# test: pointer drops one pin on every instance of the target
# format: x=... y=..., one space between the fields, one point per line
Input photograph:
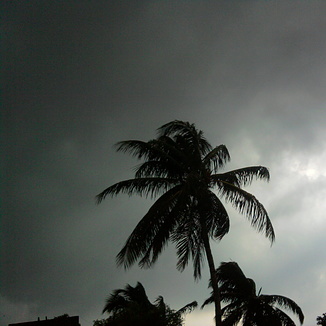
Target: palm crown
x=246 y=306
x=182 y=167
x=131 y=306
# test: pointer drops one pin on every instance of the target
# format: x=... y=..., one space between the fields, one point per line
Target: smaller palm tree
x=246 y=307
x=130 y=306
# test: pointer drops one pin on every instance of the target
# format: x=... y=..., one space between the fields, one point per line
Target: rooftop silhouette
x=56 y=321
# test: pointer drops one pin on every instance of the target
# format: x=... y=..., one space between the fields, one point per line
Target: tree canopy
x=131 y=306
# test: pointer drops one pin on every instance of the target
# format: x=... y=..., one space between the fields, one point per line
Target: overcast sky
x=81 y=75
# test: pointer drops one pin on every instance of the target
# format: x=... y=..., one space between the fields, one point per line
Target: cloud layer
x=81 y=76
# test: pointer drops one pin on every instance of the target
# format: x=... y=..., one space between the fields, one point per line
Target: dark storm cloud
x=81 y=76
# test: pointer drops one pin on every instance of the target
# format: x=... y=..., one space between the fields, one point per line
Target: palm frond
x=136 y=148
x=232 y=283
x=141 y=186
x=188 y=307
x=150 y=150
x=162 y=149
x=248 y=205
x=169 y=150
x=216 y=158
x=158 y=169
x=244 y=176
x=160 y=304
x=188 y=235
x=137 y=294
x=230 y=273
x=114 y=303
x=198 y=254
x=154 y=227
x=121 y=299
x=176 y=127
x=173 y=211
x=208 y=301
x=215 y=215
x=188 y=132
x=233 y=318
x=189 y=244
x=274 y=316
x=285 y=303
x=231 y=298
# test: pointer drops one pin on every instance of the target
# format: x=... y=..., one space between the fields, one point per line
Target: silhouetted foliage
x=182 y=168
x=245 y=307
x=321 y=320
x=100 y=322
x=130 y=306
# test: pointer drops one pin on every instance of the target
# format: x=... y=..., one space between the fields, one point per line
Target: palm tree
x=246 y=306
x=130 y=306
x=183 y=168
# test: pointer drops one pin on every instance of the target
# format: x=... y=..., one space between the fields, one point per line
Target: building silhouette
x=64 y=320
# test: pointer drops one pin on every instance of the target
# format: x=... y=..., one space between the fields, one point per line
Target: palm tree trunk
x=216 y=291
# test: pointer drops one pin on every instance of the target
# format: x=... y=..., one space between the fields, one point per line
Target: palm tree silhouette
x=246 y=306
x=183 y=168
x=130 y=306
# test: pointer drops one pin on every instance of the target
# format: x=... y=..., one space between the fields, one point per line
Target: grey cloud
x=80 y=77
